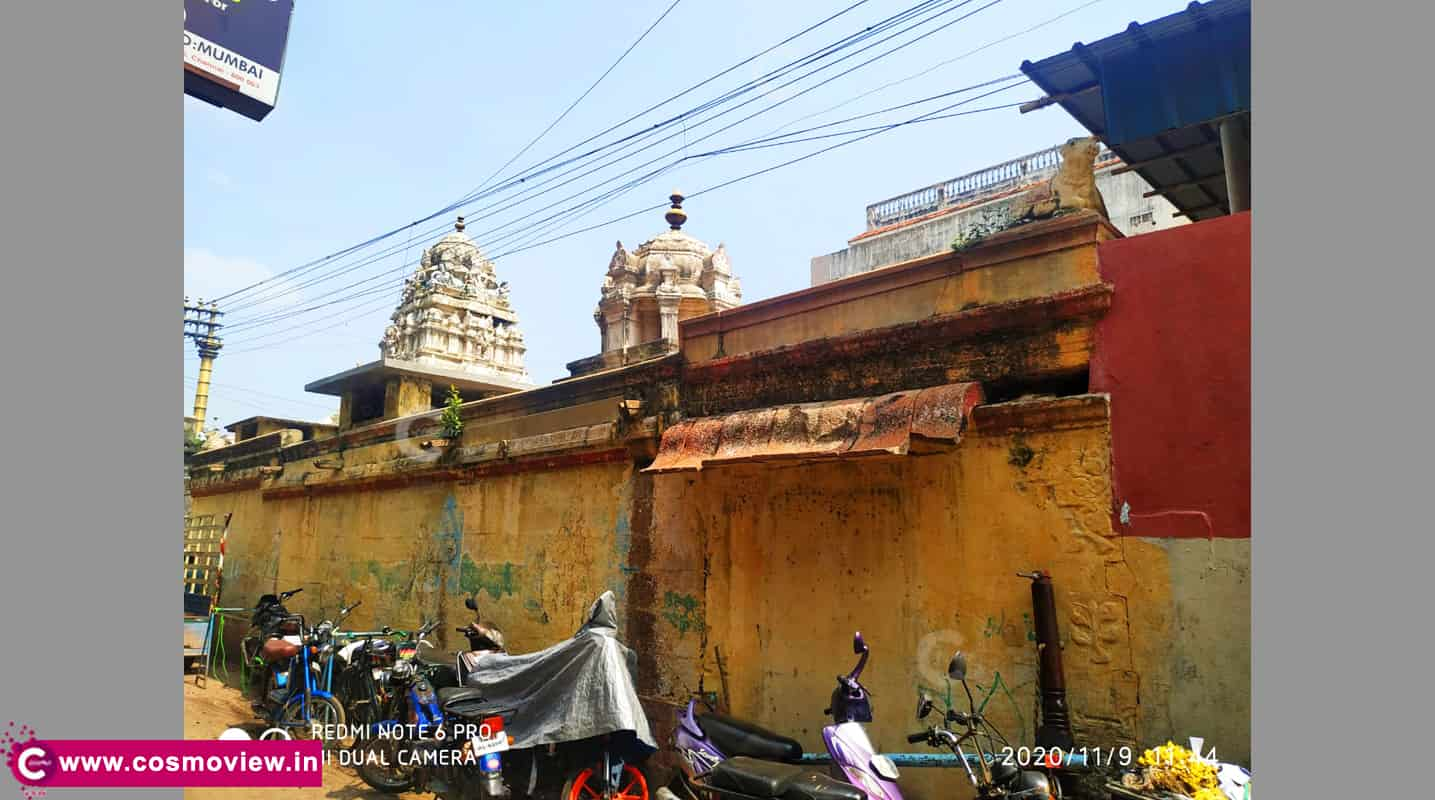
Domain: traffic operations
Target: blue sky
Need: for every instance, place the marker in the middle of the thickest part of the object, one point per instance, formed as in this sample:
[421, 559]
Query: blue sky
[388, 112]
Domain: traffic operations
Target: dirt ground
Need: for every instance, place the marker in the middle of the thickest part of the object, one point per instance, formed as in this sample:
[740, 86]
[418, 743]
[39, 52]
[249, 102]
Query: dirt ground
[209, 710]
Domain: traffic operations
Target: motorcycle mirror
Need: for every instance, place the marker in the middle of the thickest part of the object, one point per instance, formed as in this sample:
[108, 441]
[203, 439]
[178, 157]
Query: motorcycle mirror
[957, 668]
[858, 646]
[924, 705]
[468, 602]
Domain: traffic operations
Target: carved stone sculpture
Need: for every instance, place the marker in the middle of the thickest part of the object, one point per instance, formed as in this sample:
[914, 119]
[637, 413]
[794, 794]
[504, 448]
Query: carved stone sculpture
[1072, 188]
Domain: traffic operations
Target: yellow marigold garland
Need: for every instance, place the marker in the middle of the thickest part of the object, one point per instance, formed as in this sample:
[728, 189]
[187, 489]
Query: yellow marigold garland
[1176, 769]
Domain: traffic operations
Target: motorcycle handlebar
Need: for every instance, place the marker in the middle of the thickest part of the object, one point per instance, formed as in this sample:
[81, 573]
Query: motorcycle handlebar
[290, 593]
[918, 738]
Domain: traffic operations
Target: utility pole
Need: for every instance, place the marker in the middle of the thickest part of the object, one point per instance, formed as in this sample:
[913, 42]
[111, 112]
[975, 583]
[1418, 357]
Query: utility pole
[201, 323]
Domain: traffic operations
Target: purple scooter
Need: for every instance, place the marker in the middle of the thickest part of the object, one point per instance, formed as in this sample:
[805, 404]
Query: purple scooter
[724, 757]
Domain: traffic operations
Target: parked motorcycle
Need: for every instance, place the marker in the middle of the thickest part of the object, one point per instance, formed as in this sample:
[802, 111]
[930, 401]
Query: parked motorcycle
[579, 728]
[296, 697]
[406, 698]
[434, 734]
[995, 777]
[270, 620]
[361, 675]
[725, 756]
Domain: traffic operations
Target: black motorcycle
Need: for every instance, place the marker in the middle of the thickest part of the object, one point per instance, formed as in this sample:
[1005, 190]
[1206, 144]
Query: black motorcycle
[433, 734]
[361, 675]
[271, 620]
[995, 777]
[404, 697]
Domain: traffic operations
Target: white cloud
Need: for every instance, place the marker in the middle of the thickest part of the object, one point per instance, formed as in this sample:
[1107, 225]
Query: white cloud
[208, 275]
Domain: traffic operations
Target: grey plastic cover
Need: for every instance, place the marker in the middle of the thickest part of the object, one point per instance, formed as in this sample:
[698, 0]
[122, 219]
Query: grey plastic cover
[576, 689]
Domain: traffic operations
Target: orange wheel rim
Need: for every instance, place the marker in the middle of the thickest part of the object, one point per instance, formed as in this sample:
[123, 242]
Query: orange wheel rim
[581, 790]
[634, 786]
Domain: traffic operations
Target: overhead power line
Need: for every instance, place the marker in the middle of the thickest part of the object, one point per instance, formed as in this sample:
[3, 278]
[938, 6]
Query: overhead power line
[529, 172]
[526, 218]
[575, 103]
[856, 136]
[561, 216]
[257, 393]
[532, 230]
[538, 230]
[764, 171]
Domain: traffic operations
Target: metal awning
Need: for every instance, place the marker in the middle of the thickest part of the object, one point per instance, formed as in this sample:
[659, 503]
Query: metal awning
[1157, 94]
[913, 421]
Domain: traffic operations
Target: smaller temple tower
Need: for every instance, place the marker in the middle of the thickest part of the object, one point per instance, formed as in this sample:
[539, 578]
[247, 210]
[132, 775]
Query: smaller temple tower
[454, 326]
[668, 278]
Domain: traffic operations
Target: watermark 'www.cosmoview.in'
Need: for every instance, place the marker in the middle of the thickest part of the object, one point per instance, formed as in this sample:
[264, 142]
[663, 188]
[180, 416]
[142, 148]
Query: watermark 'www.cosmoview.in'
[39, 765]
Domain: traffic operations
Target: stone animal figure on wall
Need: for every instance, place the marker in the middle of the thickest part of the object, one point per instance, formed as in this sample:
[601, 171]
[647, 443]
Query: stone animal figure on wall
[1072, 188]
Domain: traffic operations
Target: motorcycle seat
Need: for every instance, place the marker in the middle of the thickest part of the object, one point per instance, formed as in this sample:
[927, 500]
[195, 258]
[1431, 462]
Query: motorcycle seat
[462, 701]
[736, 737]
[459, 694]
[275, 650]
[758, 778]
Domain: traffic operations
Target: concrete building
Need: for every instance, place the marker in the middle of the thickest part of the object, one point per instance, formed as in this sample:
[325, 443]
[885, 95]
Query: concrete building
[646, 293]
[454, 326]
[251, 427]
[928, 220]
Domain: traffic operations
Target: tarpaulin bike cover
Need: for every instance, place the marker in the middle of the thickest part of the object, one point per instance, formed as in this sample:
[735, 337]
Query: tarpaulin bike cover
[576, 689]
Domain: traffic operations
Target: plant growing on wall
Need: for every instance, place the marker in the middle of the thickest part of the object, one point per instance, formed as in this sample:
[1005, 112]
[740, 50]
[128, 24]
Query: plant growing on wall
[993, 220]
[452, 419]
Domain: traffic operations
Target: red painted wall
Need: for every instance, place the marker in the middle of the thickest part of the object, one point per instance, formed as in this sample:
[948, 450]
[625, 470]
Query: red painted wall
[1174, 352]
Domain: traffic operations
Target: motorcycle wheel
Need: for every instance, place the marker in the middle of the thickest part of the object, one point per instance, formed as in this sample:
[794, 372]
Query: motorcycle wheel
[323, 711]
[361, 714]
[389, 777]
[587, 785]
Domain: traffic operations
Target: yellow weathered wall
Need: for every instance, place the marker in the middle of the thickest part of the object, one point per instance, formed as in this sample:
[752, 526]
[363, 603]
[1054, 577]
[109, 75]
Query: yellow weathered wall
[538, 547]
[920, 554]
[748, 581]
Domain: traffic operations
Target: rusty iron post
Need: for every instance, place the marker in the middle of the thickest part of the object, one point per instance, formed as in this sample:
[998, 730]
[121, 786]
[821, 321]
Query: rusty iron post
[1054, 728]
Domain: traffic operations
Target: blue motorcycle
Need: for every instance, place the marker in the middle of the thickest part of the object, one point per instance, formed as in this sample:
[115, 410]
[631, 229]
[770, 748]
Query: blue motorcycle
[299, 670]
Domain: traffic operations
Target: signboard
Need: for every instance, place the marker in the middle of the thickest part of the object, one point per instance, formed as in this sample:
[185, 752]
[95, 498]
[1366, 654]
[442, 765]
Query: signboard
[234, 52]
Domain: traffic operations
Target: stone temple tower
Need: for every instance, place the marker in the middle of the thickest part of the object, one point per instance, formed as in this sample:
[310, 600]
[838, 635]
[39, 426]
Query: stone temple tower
[454, 326]
[455, 314]
[668, 278]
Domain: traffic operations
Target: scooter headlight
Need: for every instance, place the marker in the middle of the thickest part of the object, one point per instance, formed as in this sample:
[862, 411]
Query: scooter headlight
[884, 767]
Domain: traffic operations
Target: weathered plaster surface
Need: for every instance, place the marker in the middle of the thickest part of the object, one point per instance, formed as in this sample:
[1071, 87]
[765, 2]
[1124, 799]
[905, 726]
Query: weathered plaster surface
[746, 582]
[536, 547]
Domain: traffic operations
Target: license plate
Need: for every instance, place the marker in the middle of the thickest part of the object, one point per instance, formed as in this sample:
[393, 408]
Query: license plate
[490, 738]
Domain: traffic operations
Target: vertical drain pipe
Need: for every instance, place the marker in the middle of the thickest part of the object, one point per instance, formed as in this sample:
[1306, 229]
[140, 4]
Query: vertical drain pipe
[1054, 728]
